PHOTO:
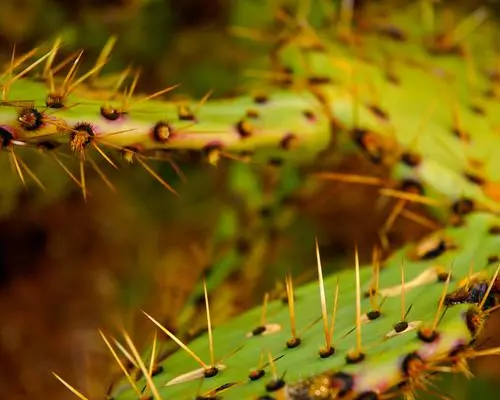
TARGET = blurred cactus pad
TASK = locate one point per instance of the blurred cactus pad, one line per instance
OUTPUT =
(245, 199)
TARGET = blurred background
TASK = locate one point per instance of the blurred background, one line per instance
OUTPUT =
(67, 267)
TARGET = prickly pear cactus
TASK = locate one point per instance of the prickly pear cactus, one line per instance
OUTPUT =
(405, 330)
(409, 92)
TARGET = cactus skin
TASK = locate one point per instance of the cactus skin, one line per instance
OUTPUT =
(381, 369)
(441, 175)
(220, 128)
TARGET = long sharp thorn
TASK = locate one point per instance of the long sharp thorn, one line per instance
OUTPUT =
(396, 211)
(291, 304)
(5, 87)
(272, 365)
(71, 72)
(71, 388)
(104, 54)
(487, 352)
(66, 169)
(17, 167)
(178, 341)
(485, 297)
(411, 197)
(52, 84)
(324, 312)
(351, 178)
(153, 353)
(101, 174)
(156, 94)
(441, 302)
(119, 362)
(123, 76)
(83, 78)
(14, 65)
(12, 59)
(63, 63)
(209, 325)
(50, 59)
(32, 174)
(403, 316)
(137, 356)
(334, 316)
(177, 170)
(374, 287)
(494, 308)
(125, 352)
(469, 276)
(82, 180)
(130, 91)
(419, 219)
(156, 176)
(104, 155)
(203, 100)
(358, 302)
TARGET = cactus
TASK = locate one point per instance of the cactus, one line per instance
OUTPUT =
(336, 91)
(239, 125)
(398, 323)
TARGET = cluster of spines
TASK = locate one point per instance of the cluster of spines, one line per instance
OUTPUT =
(48, 128)
(434, 350)
(237, 139)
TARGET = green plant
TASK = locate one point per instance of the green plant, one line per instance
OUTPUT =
(336, 91)
(404, 326)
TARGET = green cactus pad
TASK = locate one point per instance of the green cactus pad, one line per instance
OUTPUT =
(302, 367)
(298, 122)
